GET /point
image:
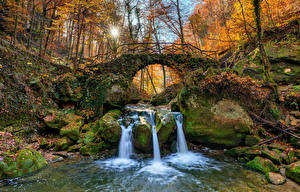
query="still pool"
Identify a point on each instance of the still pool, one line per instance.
(176, 172)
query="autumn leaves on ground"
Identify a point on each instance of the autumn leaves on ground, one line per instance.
(231, 67)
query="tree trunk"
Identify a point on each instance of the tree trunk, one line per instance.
(244, 19)
(180, 25)
(31, 25)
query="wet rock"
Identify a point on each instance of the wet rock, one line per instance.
(282, 171)
(165, 126)
(109, 128)
(262, 165)
(275, 178)
(293, 171)
(91, 149)
(143, 135)
(27, 161)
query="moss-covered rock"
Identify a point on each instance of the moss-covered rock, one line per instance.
(109, 128)
(55, 119)
(251, 140)
(27, 161)
(272, 155)
(293, 171)
(62, 144)
(72, 130)
(165, 126)
(143, 135)
(214, 124)
(262, 165)
(91, 149)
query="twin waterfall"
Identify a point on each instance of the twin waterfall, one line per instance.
(126, 146)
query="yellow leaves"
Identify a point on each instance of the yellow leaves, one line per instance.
(29, 63)
(1, 66)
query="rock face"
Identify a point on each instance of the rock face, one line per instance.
(275, 178)
(293, 171)
(143, 135)
(27, 161)
(212, 122)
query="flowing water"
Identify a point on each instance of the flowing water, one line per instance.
(156, 151)
(194, 173)
(181, 142)
(125, 146)
(183, 171)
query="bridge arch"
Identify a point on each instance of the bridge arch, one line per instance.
(129, 64)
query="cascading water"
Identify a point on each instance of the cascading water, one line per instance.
(154, 137)
(125, 146)
(181, 142)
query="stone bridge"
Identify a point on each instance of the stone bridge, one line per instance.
(181, 58)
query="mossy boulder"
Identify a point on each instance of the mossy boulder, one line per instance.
(91, 149)
(262, 165)
(251, 140)
(212, 122)
(293, 171)
(165, 126)
(272, 155)
(143, 135)
(26, 162)
(68, 88)
(55, 119)
(108, 127)
(62, 144)
(72, 130)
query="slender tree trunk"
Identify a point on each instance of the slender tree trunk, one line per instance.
(180, 25)
(265, 60)
(82, 48)
(244, 21)
(49, 32)
(31, 25)
(151, 81)
(70, 41)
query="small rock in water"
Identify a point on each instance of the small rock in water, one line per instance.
(275, 178)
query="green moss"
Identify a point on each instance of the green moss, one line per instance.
(142, 135)
(262, 165)
(272, 155)
(165, 125)
(91, 148)
(293, 171)
(27, 161)
(62, 144)
(72, 130)
(275, 111)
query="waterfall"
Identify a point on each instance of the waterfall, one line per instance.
(154, 137)
(125, 146)
(181, 142)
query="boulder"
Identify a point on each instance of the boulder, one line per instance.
(272, 155)
(165, 125)
(262, 165)
(72, 130)
(221, 124)
(109, 128)
(27, 161)
(143, 135)
(62, 144)
(293, 171)
(275, 178)
(91, 149)
(166, 96)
